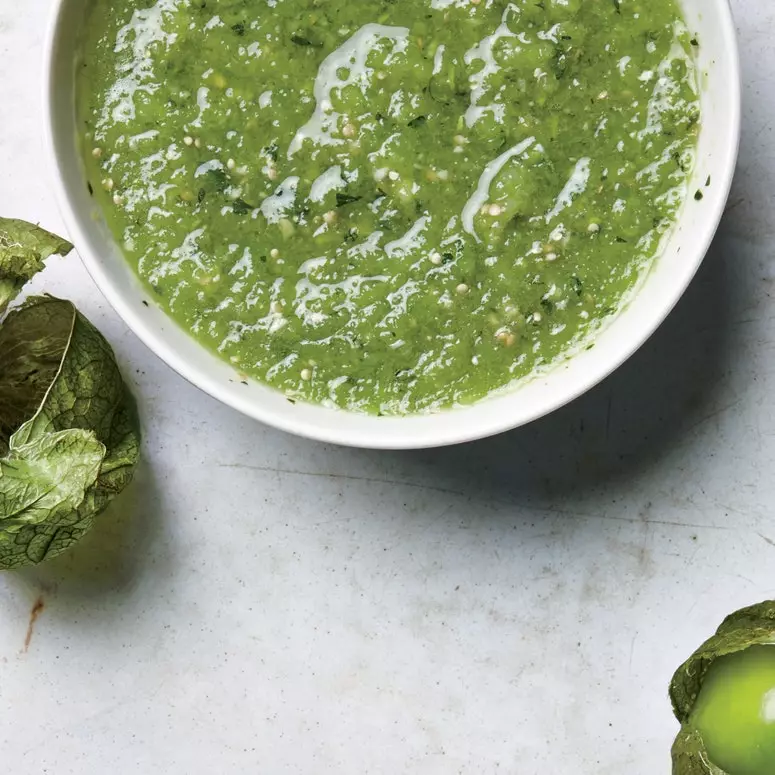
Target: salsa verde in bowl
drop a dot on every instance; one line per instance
(431, 211)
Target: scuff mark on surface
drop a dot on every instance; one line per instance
(37, 610)
(767, 540)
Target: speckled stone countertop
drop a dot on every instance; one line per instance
(262, 604)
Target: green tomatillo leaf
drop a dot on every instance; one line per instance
(23, 249)
(42, 487)
(690, 756)
(740, 631)
(63, 405)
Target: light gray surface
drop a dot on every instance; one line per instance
(259, 603)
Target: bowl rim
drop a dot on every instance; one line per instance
(411, 431)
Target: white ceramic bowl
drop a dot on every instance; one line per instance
(711, 20)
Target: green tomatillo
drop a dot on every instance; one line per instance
(724, 697)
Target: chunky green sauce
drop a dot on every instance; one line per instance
(391, 206)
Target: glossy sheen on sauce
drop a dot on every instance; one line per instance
(392, 206)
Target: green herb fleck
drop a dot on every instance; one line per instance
(345, 199)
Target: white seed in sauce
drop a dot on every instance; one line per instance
(306, 374)
(505, 337)
(462, 289)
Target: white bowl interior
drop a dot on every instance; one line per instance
(712, 23)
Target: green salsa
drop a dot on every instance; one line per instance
(735, 712)
(394, 206)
